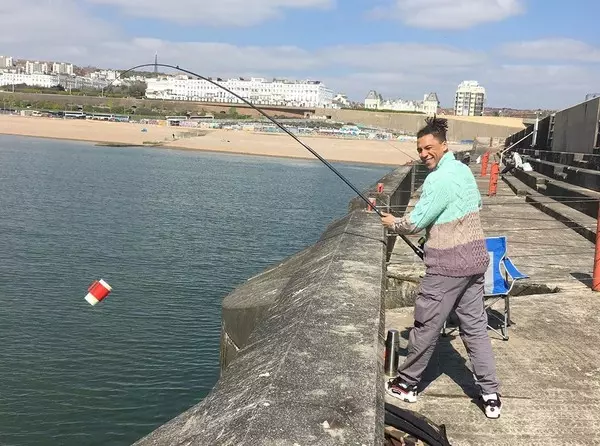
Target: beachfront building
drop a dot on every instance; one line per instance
(259, 91)
(429, 105)
(68, 82)
(469, 99)
(341, 100)
(80, 82)
(109, 75)
(373, 100)
(36, 67)
(6, 62)
(33, 80)
(62, 68)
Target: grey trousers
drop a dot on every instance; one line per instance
(438, 295)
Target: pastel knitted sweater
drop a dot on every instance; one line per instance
(449, 211)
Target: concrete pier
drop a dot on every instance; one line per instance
(302, 346)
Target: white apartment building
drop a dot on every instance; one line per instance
(469, 99)
(258, 91)
(37, 80)
(69, 82)
(36, 67)
(6, 62)
(62, 68)
(109, 75)
(429, 105)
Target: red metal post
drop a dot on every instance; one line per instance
(494, 173)
(484, 163)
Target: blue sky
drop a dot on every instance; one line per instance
(527, 53)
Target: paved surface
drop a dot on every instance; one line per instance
(550, 367)
(550, 373)
(542, 247)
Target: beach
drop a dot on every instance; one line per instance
(230, 141)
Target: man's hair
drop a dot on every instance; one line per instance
(437, 127)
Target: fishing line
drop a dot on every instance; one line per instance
(417, 250)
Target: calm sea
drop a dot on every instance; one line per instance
(173, 232)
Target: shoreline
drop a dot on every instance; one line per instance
(236, 142)
(189, 149)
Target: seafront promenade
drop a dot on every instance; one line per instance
(549, 367)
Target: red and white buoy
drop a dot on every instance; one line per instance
(97, 291)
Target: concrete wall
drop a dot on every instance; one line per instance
(521, 139)
(543, 132)
(303, 345)
(459, 129)
(576, 128)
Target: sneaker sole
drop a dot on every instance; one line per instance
(400, 397)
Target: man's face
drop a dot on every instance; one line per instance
(431, 150)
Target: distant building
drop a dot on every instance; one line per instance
(401, 105)
(429, 105)
(341, 100)
(36, 67)
(6, 62)
(469, 99)
(62, 68)
(109, 75)
(373, 100)
(259, 91)
(33, 80)
(69, 82)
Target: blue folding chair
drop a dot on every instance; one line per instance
(500, 278)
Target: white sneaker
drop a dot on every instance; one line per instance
(401, 390)
(492, 405)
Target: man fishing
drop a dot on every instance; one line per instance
(456, 260)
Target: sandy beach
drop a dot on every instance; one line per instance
(230, 141)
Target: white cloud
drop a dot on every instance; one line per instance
(213, 13)
(63, 30)
(400, 56)
(539, 86)
(554, 49)
(450, 14)
(49, 28)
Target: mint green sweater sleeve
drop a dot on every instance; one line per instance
(432, 203)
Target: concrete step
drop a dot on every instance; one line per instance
(578, 160)
(587, 178)
(532, 179)
(581, 223)
(577, 197)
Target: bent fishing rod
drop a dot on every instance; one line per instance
(417, 250)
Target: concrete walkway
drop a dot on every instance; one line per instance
(550, 367)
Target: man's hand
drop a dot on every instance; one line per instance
(388, 220)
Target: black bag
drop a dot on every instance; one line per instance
(416, 426)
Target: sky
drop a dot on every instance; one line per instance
(526, 53)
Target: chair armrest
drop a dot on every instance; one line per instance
(512, 270)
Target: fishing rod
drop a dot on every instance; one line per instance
(416, 249)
